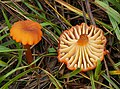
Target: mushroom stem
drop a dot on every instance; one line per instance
(28, 53)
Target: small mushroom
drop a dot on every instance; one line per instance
(28, 33)
(81, 46)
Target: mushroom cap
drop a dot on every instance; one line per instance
(26, 32)
(81, 46)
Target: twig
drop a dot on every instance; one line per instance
(106, 67)
(83, 9)
(112, 62)
(89, 12)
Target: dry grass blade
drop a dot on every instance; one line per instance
(16, 11)
(70, 7)
(94, 81)
(10, 1)
(79, 12)
(53, 79)
(58, 13)
(10, 11)
(114, 72)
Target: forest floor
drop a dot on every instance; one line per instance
(56, 16)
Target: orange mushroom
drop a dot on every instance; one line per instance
(81, 46)
(28, 33)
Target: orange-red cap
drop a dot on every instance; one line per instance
(26, 32)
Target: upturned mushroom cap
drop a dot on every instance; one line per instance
(81, 46)
(26, 32)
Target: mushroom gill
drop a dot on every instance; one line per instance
(81, 46)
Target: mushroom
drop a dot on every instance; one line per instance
(81, 46)
(28, 33)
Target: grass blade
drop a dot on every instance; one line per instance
(53, 79)
(115, 3)
(117, 64)
(51, 50)
(58, 13)
(79, 12)
(6, 19)
(114, 24)
(5, 35)
(55, 27)
(96, 81)
(92, 79)
(114, 72)
(5, 28)
(110, 81)
(44, 24)
(10, 42)
(115, 27)
(19, 54)
(70, 7)
(97, 70)
(16, 78)
(5, 49)
(113, 13)
(39, 5)
(69, 75)
(11, 72)
(36, 12)
(3, 64)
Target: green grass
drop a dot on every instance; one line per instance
(55, 17)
